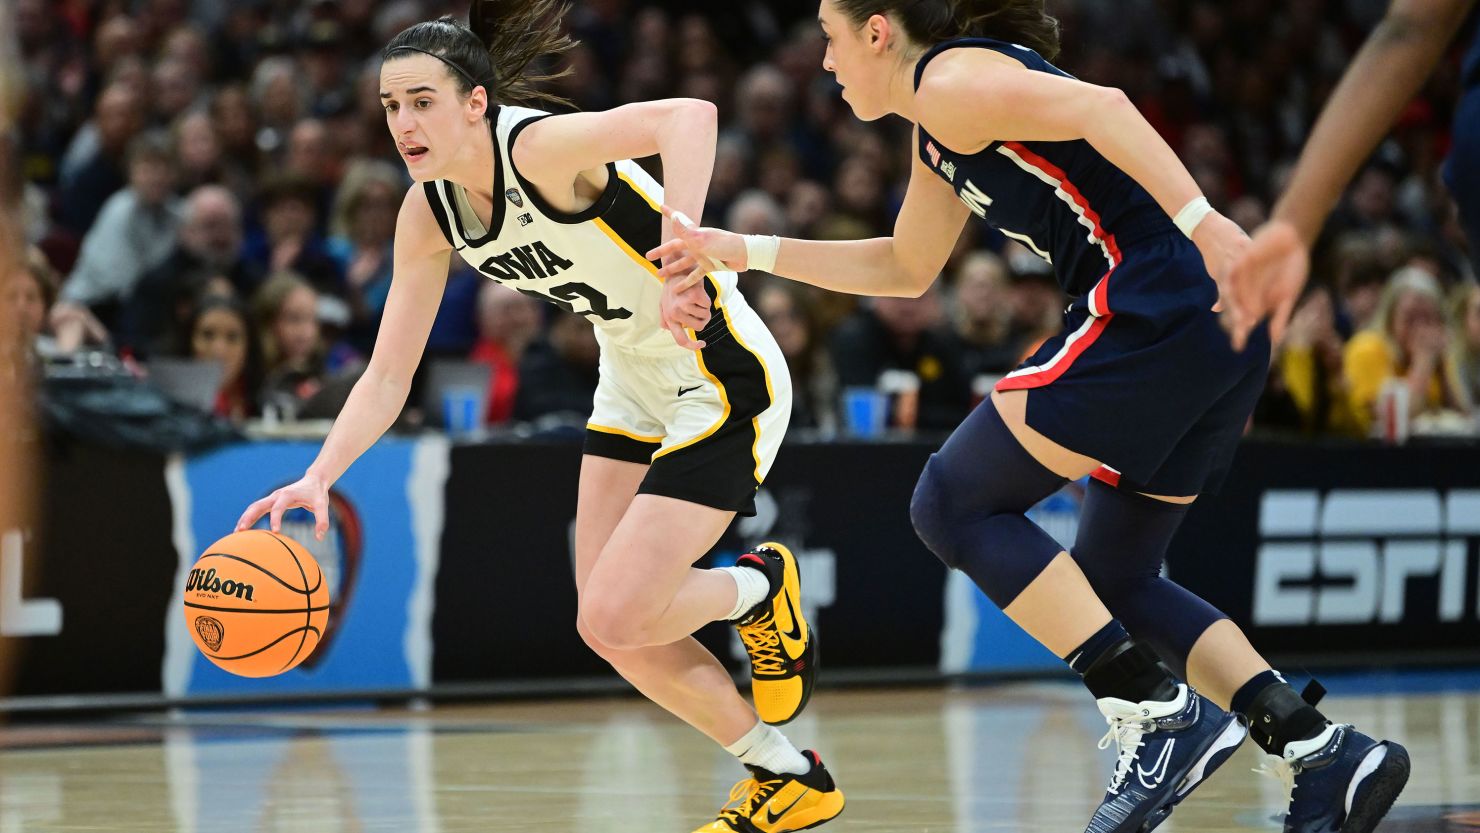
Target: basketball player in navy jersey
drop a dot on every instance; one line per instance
(1389, 70)
(693, 397)
(1141, 389)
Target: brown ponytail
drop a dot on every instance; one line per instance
(516, 33)
(495, 50)
(928, 22)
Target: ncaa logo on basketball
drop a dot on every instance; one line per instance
(206, 581)
(211, 631)
(338, 556)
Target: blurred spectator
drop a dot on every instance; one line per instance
(295, 355)
(288, 240)
(221, 331)
(756, 212)
(310, 155)
(806, 204)
(1037, 301)
(508, 321)
(455, 328)
(1371, 201)
(1406, 341)
(1464, 346)
(859, 195)
(199, 150)
(1359, 278)
(362, 229)
(236, 125)
(100, 170)
(565, 363)
(174, 88)
(209, 246)
(783, 307)
(731, 172)
(983, 316)
(1310, 368)
(325, 69)
(25, 298)
(277, 102)
(905, 334)
(187, 45)
(135, 232)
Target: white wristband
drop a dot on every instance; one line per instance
(761, 251)
(1192, 214)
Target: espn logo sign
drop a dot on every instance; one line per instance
(1347, 557)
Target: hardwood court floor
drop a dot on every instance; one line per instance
(1006, 758)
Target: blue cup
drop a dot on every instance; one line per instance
(460, 410)
(865, 412)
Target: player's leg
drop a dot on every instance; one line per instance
(643, 589)
(687, 680)
(639, 586)
(969, 509)
(1122, 543)
(682, 676)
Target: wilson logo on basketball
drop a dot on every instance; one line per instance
(206, 582)
(211, 631)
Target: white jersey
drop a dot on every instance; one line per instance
(591, 262)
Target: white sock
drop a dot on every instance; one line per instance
(753, 588)
(768, 749)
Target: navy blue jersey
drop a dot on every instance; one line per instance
(1063, 200)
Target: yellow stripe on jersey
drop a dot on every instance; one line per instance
(640, 192)
(630, 252)
(607, 429)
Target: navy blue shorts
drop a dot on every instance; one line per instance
(1143, 379)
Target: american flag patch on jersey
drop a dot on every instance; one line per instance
(934, 154)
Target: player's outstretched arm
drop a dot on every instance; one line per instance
(1013, 104)
(904, 265)
(1388, 71)
(420, 276)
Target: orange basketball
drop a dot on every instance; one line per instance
(256, 603)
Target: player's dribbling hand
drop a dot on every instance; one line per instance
(309, 493)
(1266, 280)
(696, 251)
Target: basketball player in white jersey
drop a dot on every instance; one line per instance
(679, 439)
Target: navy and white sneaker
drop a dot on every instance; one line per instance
(1340, 781)
(1167, 748)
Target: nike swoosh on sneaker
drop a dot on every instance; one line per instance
(772, 818)
(795, 631)
(1157, 773)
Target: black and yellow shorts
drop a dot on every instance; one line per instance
(709, 423)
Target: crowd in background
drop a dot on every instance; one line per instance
(212, 179)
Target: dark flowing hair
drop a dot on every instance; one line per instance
(1024, 22)
(249, 384)
(495, 49)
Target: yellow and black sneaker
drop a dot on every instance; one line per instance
(769, 802)
(782, 648)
